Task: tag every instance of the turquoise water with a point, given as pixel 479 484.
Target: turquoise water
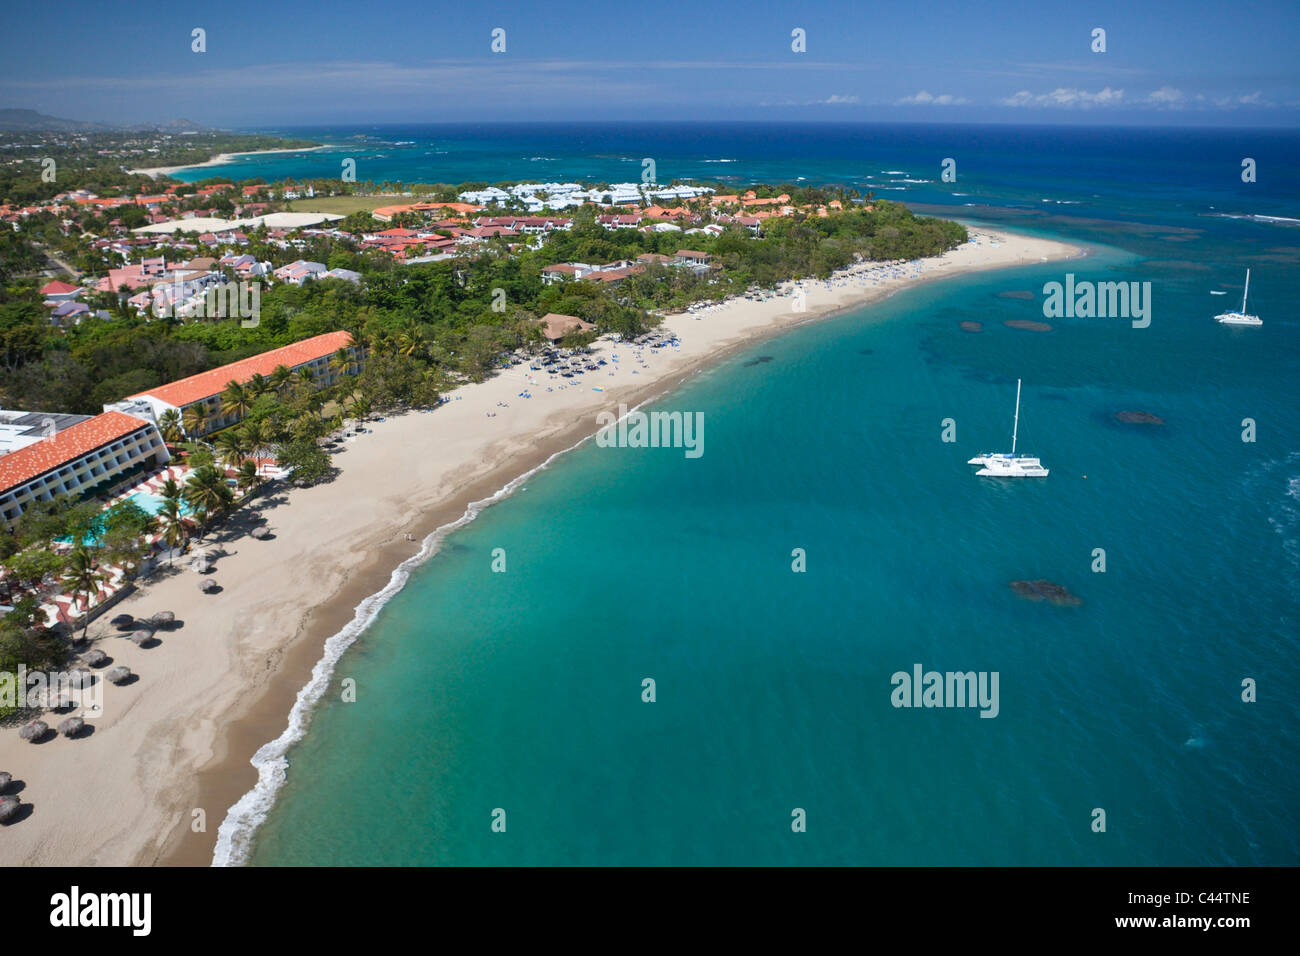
pixel 522 690
pixel 152 504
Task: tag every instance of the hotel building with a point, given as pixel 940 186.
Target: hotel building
pixel 97 452
pixel 205 389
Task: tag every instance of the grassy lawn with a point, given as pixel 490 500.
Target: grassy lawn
pixel 343 205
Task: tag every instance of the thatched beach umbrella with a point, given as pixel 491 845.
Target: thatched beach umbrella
pixel 207 585
pixel 95 658
pixel 201 565
pixel 81 678
pixel 72 726
pixel 122 621
pixel 261 531
pixel 34 731
pixel 164 617
pixel 5 780
pixel 141 637
pixel 8 807
pixel 118 674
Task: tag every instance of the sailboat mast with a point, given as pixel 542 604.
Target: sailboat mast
pixel 1015 426
pixel 1245 293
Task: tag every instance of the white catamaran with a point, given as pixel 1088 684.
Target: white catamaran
pixel 1004 465
pixel 1242 317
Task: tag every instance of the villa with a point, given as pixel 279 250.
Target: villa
pixel 57 291
pixel 691 257
pixel 296 273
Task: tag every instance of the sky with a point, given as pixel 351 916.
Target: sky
pixel 294 62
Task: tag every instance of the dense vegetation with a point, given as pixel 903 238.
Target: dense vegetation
pixel 440 316
pixel 98 161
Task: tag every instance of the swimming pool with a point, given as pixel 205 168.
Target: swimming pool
pixel 152 504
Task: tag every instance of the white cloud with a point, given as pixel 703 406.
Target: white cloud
pixel 1067 98
pixel 926 98
pixel 1166 96
pixel 838 98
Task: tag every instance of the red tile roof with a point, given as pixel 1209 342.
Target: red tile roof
pixel 59 288
pixel 214 381
pixel 68 445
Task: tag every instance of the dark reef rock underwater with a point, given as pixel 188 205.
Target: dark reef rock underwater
pixel 758 361
pixel 1042 590
pixel 971 326
pixel 1138 418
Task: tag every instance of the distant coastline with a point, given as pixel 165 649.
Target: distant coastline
pixel 221 159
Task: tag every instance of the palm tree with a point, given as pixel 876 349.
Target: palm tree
pixel 169 423
pixel 83 577
pixel 207 494
pixel 305 376
pixel 359 407
pixel 196 420
pixel 236 400
pixel 280 377
pixel 257 437
pixel 258 385
pixel 232 446
pixel 170 490
pixel 411 337
pixel 175 532
pixel 247 477
pixel 342 361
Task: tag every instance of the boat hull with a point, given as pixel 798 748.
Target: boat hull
pixel 1238 318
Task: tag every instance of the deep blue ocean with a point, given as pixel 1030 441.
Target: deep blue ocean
pixel 522 691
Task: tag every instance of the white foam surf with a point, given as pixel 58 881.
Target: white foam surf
pixel 235 835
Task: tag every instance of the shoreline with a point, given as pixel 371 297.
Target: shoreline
pixel 221 159
pixel 190 746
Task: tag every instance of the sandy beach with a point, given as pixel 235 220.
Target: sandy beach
pixel 178 740
pixel 219 160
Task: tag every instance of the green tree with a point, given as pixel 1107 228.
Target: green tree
pixel 208 495
pixel 83 579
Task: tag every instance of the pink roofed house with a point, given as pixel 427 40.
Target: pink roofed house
pixel 58 291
